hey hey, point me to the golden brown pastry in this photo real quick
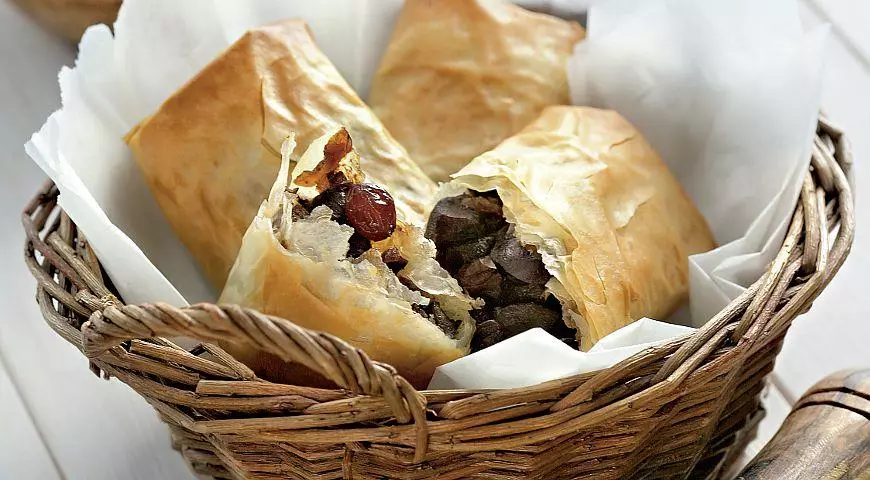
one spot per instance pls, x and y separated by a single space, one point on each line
301 259
210 152
459 76
585 191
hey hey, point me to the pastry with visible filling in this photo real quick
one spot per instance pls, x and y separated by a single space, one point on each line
328 252
574 225
210 152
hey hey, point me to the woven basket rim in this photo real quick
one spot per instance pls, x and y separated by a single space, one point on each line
79 305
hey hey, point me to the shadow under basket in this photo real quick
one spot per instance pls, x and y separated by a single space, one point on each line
682 410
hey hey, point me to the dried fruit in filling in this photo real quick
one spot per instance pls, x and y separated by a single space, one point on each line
370 211
334 197
394 259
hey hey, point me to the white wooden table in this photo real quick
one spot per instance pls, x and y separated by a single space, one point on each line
58 421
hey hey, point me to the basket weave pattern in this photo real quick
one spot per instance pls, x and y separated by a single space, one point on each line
679 410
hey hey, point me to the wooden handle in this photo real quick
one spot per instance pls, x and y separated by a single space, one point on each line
826 436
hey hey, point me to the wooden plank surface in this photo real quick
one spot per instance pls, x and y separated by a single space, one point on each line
96 430
22 452
833 335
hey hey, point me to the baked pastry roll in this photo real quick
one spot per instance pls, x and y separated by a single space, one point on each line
577 217
460 76
328 253
209 154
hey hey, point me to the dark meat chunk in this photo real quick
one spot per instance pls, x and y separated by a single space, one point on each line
358 245
440 319
515 291
524 265
477 246
480 278
485 204
561 331
517 318
394 259
452 223
436 316
454 257
481 315
488 333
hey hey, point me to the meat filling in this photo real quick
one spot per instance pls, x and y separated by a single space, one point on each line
370 211
478 247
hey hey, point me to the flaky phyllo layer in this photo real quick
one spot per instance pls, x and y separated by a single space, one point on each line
209 153
612 224
297 266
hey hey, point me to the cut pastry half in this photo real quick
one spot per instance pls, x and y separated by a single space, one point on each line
327 252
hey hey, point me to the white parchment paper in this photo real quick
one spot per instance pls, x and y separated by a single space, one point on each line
535 356
726 90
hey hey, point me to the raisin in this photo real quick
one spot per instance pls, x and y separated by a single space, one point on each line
370 210
394 259
358 245
335 198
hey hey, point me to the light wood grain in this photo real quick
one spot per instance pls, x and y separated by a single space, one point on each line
833 335
848 18
96 430
827 435
22 452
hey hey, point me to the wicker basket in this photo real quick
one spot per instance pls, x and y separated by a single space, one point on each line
676 411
